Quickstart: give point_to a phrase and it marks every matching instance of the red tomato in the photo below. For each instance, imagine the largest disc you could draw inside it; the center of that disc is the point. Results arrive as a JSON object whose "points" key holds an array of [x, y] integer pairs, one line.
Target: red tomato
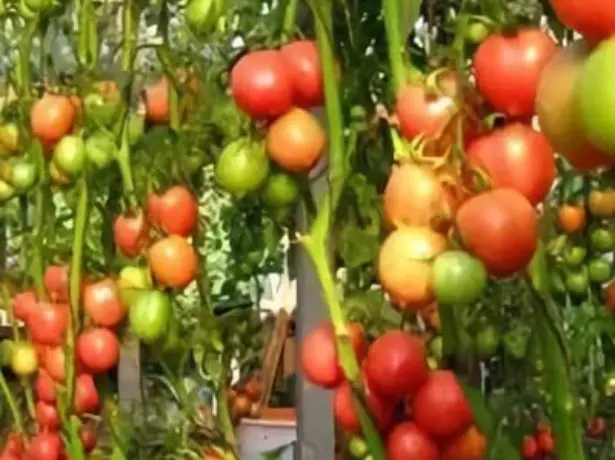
{"points": [[156, 99], [303, 65], [396, 365], [407, 442], [440, 408], [153, 209], [173, 261], [595, 19], [47, 416], [14, 445], [46, 446], [98, 349], [52, 117], [48, 323], [54, 363], [86, 395], [24, 303], [545, 441], [87, 433], [57, 283], [499, 227], [508, 67], [9, 456], [516, 157], [529, 448], [102, 303], [130, 233], [470, 445], [346, 415], [596, 427], [176, 211], [45, 387], [261, 84], [360, 345]]}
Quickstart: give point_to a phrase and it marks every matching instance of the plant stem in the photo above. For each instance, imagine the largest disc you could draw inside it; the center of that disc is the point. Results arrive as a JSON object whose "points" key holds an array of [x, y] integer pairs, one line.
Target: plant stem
{"points": [[396, 46], [10, 400], [37, 266], [290, 18], [224, 417]]}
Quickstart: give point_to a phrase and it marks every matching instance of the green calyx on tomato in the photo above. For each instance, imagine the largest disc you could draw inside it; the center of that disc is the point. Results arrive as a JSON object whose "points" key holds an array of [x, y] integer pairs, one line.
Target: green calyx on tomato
{"points": [[149, 316], [599, 271], [202, 15], [574, 255], [487, 342], [280, 190], [69, 155], [577, 281], [103, 111], [242, 167], [6, 191], [602, 239], [458, 278], [23, 175], [132, 283], [101, 149]]}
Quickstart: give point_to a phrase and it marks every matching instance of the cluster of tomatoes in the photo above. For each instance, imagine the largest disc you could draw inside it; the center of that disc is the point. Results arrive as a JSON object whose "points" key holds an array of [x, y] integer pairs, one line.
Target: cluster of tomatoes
{"points": [[404, 398], [244, 398], [276, 87], [539, 445]]}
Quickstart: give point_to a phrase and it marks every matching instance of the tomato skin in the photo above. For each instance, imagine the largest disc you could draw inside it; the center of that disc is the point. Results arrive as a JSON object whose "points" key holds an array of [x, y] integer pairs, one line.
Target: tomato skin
{"points": [[345, 413], [458, 278], [100, 149], [595, 20], [319, 358], [242, 167], [487, 342], [516, 157], [156, 99], [47, 416], [102, 303], [261, 84], [130, 233], [508, 67], [406, 256], [52, 117], [529, 448], [280, 190], [48, 323], [499, 227], [14, 445], [302, 62], [177, 211], [24, 303], [440, 407], [9, 139], [545, 441], [594, 96], [132, 283], [571, 219], [24, 361], [45, 387], [87, 433], [46, 446], [23, 175], [87, 400], [56, 283], [150, 315], [173, 262], [470, 445], [599, 271], [602, 239], [596, 427], [295, 141], [69, 155], [98, 349], [54, 361], [407, 442], [396, 365]]}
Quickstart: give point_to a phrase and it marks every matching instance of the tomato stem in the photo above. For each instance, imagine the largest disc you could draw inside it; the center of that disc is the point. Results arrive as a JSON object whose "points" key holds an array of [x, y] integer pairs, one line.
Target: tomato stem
{"points": [[395, 41], [10, 401], [290, 18], [224, 416], [37, 265]]}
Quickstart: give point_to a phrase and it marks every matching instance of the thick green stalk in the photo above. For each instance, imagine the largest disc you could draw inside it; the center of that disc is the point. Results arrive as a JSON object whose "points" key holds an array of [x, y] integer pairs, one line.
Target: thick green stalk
{"points": [[290, 18], [395, 41], [10, 401], [37, 264]]}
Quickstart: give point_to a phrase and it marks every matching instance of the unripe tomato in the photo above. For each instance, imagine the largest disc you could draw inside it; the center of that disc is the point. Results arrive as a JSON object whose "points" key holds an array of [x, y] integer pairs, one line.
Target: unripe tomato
{"points": [[173, 262], [25, 360], [103, 105], [280, 190], [458, 278], [602, 239], [102, 303], [150, 315], [52, 117], [599, 271], [6, 191], [22, 176], [132, 283], [242, 167], [202, 15], [101, 149], [69, 155], [487, 342], [9, 139]]}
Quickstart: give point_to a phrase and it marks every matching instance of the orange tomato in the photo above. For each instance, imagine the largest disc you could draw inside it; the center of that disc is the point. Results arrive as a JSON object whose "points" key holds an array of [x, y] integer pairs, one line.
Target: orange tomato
{"points": [[296, 140], [173, 261], [470, 445], [157, 101], [52, 117], [571, 219]]}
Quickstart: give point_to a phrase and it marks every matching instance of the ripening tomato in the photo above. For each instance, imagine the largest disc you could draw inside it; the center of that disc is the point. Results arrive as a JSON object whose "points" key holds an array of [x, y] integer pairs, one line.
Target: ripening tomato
{"points": [[156, 99], [175, 211], [87, 400], [87, 433], [69, 156], [130, 233], [508, 67], [24, 303], [500, 228], [98, 349], [346, 416], [570, 218], [46, 446], [48, 323], [54, 360], [407, 442], [440, 407], [56, 283], [594, 19], [558, 114], [173, 261], [295, 141], [44, 387], [404, 266], [47, 416], [529, 448], [24, 361], [102, 303], [303, 65], [516, 157], [396, 364], [52, 117], [261, 84], [470, 445]]}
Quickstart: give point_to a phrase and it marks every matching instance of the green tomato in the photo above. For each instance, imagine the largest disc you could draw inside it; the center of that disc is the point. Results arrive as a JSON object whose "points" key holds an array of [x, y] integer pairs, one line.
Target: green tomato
{"points": [[6, 353], [458, 278], [280, 190], [574, 255], [202, 15], [558, 286], [487, 342], [609, 384], [25, 11], [23, 175], [477, 32], [132, 283], [193, 161], [357, 447], [6, 191], [515, 341], [242, 167], [577, 281], [69, 155], [136, 127], [602, 239], [149, 316], [9, 139], [595, 96], [101, 149], [101, 110], [599, 271]]}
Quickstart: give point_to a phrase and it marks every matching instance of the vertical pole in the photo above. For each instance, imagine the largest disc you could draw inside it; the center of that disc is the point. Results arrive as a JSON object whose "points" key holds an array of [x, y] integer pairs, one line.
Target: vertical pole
{"points": [[129, 373]]}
